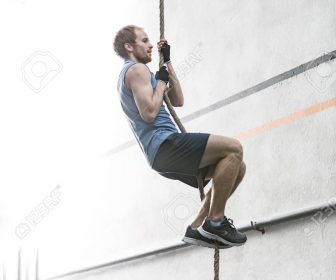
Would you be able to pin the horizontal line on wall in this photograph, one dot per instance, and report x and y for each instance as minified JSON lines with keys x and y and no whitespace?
{"x":288,"y":119}
{"x":329,"y":206}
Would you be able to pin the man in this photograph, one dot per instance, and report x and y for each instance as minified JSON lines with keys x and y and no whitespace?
{"x":178,"y":156}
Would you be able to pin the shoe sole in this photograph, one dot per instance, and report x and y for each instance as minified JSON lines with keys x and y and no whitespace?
{"x":198,"y":242}
{"x":216,"y":237}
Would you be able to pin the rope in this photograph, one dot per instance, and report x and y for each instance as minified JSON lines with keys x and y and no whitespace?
{"x":216,"y":263}
{"x":183,"y":130}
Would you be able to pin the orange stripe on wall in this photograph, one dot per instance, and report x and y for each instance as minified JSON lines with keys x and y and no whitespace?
{"x":288,"y":119}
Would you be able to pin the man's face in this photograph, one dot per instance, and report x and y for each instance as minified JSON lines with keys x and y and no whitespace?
{"x":142,"y":49}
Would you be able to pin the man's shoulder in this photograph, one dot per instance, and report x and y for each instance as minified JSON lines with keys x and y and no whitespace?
{"x":138,"y":69}
{"x":137,"y":72}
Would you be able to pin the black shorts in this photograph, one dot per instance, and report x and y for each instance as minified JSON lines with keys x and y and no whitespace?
{"x":179,"y":156}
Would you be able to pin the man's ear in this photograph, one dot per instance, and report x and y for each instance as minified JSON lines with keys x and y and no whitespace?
{"x":128,"y":47}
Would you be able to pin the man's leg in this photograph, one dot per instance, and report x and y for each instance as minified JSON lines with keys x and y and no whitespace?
{"x":227,"y":154}
{"x":204,"y":211}
{"x":240,"y":177}
{"x":225,"y":176}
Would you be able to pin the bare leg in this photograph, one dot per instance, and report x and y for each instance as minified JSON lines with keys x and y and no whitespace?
{"x":240,"y":177}
{"x":204,"y":211}
{"x":225,"y":176}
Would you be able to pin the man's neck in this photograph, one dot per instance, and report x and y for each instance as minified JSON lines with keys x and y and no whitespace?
{"x":132,"y":58}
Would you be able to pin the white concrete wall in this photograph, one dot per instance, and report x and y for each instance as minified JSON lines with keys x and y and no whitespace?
{"x":289,"y":168}
{"x":115,"y":206}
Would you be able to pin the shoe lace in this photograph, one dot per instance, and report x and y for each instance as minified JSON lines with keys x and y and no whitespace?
{"x":228,"y":223}
{"x":231,"y":223}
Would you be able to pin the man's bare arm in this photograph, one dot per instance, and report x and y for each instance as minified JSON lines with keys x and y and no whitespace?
{"x":175,"y":93}
{"x":147,"y":100}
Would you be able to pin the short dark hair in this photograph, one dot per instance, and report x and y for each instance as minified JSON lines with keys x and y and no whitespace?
{"x":124,"y":35}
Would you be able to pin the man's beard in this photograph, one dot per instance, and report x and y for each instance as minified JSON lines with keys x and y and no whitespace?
{"x":143,"y":59}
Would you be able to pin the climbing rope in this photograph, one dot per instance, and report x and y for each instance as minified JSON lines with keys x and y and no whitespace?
{"x":183,"y":130}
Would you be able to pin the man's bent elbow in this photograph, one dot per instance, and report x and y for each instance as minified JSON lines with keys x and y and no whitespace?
{"x":178,"y":104}
{"x":148,"y":118}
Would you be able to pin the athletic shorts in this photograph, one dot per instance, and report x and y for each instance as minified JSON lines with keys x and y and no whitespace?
{"x":179,"y":156}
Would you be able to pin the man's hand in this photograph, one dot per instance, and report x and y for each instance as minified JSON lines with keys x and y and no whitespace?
{"x":162,"y":74}
{"x":164,"y":48}
{"x":175,"y":92}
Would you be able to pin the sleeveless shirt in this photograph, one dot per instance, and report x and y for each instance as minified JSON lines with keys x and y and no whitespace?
{"x":148,"y":135}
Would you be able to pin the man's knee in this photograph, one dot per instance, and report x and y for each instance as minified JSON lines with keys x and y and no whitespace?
{"x":219,"y":147}
{"x":237,"y":149}
{"x":235,"y":157}
{"x":242,"y":170}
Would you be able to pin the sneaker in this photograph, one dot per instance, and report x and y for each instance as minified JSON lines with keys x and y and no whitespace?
{"x":192,"y":236}
{"x":225,"y":232}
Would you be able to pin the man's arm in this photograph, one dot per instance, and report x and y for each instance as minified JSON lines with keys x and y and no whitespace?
{"x":147,"y":100}
{"x":174,"y":91}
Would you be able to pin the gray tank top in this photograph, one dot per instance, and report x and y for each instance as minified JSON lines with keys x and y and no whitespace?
{"x":149,"y":135}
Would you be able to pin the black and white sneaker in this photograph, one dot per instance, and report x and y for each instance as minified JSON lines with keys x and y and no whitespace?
{"x":192,"y":236}
{"x":225,"y":232}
